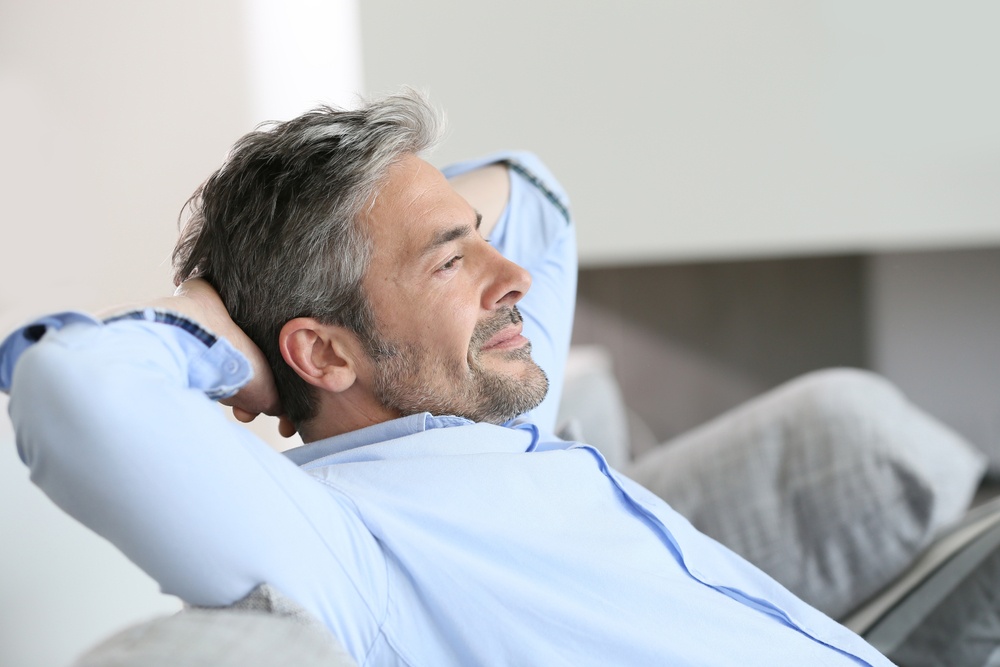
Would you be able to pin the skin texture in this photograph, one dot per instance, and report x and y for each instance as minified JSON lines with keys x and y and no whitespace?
{"x":444,"y":300}
{"x":446,"y":304}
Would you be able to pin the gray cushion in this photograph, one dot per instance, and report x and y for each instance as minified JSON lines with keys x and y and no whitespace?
{"x":592,"y":409}
{"x":262,"y":630}
{"x":831,"y":484}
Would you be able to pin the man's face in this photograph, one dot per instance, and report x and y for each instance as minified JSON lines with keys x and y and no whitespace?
{"x":444,"y":300}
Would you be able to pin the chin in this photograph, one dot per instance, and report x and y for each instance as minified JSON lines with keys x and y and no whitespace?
{"x":502,"y":396}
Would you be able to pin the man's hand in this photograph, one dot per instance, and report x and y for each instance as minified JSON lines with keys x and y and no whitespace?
{"x":259,"y":396}
{"x":286,"y":428}
{"x":200,"y":302}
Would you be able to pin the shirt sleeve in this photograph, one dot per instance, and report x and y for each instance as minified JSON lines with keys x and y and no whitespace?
{"x":116,"y":425}
{"x":536,"y":231}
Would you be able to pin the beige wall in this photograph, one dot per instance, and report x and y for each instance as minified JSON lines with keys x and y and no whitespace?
{"x":721,"y":128}
{"x":113,"y":112}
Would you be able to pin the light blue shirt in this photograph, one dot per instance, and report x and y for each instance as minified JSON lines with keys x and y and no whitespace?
{"x":423,"y":541}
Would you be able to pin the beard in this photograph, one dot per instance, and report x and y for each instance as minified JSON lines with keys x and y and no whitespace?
{"x":411,"y":380}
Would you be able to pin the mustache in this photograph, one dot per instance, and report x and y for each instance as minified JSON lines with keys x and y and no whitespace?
{"x":486,"y":329}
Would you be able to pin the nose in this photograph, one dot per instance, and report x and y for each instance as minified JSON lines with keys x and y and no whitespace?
{"x":506,"y":284}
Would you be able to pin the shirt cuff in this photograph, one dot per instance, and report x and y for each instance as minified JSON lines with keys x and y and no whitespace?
{"x":21,"y":339}
{"x":214,"y":366}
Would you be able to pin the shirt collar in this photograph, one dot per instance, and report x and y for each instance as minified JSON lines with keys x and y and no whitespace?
{"x":370,"y":435}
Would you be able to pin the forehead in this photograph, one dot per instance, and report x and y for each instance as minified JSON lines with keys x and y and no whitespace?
{"x":413,"y":204}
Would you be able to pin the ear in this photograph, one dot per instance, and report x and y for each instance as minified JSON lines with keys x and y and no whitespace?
{"x":324,"y":355}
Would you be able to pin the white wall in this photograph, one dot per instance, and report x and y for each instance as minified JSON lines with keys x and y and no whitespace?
{"x":113,"y":111}
{"x":722,"y":128}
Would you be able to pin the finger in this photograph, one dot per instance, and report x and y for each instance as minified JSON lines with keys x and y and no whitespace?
{"x":244,"y":416}
{"x":285,"y":427}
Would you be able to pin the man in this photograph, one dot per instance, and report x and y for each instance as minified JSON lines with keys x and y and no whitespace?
{"x":431,"y":518}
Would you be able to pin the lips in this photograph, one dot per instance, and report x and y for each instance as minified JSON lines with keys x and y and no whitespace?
{"x":500,"y":332}
{"x":507,"y":338}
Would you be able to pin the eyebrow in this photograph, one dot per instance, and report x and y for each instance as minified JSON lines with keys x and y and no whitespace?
{"x":446,"y":236}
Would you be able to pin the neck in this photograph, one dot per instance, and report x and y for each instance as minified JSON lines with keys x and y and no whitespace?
{"x":345,"y":412}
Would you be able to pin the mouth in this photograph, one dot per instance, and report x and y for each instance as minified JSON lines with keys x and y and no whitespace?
{"x":508,"y":338}
{"x":502,"y":332}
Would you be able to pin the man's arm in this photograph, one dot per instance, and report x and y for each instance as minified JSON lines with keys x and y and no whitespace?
{"x":199,"y":302}
{"x":533,"y":229}
{"x":115,"y":422}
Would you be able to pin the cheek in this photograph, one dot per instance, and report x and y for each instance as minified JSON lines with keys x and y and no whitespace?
{"x":440,"y":321}
{"x":442,"y":327}
{"x":456,"y":326}
{"x":448,"y":325}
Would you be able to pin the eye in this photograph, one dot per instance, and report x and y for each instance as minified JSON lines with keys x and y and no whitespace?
{"x":451,"y":263}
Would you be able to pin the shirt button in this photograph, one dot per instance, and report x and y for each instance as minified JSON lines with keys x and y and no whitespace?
{"x":35,"y":332}
{"x":232,"y":366}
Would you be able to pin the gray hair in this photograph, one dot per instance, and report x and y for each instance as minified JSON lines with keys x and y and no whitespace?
{"x":276,"y":229}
